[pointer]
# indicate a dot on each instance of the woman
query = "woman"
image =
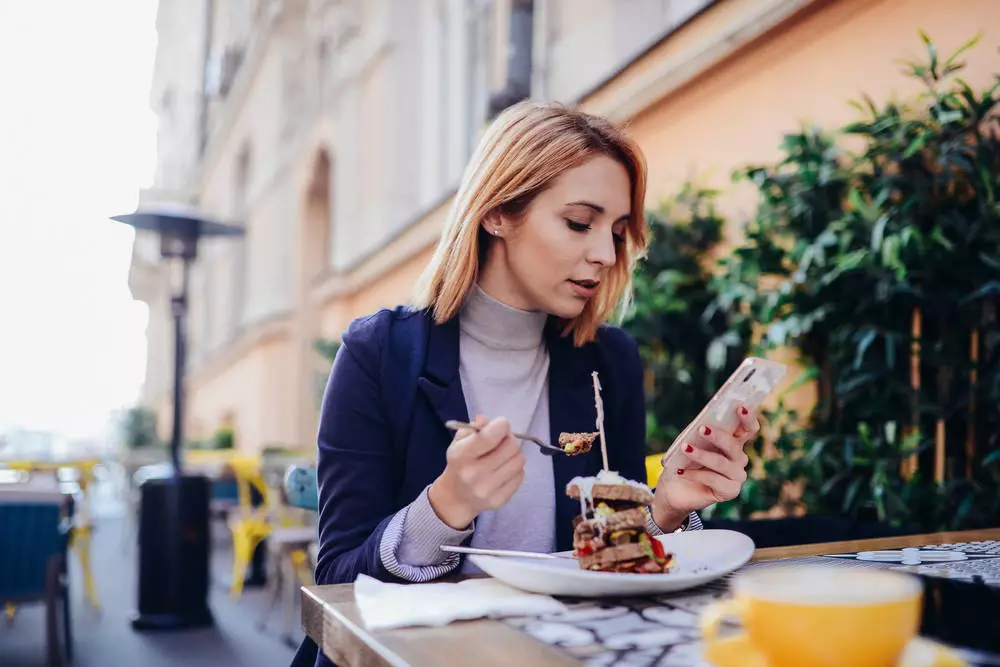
(507, 326)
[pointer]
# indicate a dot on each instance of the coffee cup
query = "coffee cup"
(812, 616)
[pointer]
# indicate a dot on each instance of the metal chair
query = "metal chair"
(34, 538)
(289, 547)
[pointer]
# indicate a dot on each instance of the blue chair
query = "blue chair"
(34, 538)
(301, 487)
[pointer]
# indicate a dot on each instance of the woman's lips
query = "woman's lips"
(585, 288)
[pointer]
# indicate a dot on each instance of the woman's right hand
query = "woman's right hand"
(484, 470)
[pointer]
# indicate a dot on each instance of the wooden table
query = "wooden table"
(331, 619)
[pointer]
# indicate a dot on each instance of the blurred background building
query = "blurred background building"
(337, 130)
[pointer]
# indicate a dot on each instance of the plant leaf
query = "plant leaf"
(932, 52)
(962, 49)
(878, 232)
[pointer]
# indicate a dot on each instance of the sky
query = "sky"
(77, 141)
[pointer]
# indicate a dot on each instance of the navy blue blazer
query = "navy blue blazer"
(382, 437)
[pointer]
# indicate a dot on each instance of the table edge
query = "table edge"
(891, 542)
(359, 631)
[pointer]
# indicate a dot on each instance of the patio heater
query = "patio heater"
(173, 516)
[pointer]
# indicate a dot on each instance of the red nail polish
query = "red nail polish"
(706, 430)
(680, 471)
(744, 412)
(688, 449)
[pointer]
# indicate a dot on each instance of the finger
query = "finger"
(464, 433)
(504, 474)
(507, 450)
(507, 490)
(709, 437)
(490, 437)
(720, 463)
(720, 487)
(749, 424)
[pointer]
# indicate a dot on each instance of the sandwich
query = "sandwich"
(577, 443)
(610, 534)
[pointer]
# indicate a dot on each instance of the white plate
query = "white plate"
(701, 556)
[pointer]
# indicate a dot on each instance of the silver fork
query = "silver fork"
(455, 425)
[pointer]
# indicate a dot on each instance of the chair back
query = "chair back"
(31, 534)
(250, 485)
(225, 488)
(301, 487)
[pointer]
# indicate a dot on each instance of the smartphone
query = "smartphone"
(752, 382)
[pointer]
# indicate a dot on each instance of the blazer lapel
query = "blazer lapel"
(440, 380)
(571, 409)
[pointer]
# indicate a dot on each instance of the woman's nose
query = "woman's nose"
(602, 250)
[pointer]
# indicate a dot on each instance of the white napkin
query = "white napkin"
(385, 605)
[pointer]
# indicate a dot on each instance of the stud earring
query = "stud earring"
(496, 232)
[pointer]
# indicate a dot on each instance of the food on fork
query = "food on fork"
(577, 443)
(610, 534)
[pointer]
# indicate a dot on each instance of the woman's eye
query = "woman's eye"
(619, 238)
(577, 226)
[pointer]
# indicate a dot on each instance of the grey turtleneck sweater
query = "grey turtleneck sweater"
(504, 368)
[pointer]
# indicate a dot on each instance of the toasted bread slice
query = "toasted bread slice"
(616, 528)
(622, 492)
(641, 566)
(605, 558)
(632, 518)
(577, 443)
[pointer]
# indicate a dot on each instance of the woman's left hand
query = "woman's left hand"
(714, 472)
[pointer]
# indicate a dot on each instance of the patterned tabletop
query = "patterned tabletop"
(663, 631)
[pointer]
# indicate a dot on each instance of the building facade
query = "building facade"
(336, 131)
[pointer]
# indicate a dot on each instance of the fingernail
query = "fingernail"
(688, 449)
(706, 430)
(680, 471)
(744, 412)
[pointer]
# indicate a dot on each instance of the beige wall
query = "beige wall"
(254, 388)
(730, 115)
(737, 113)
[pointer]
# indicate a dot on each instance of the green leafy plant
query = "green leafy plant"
(882, 267)
(671, 294)
(327, 348)
(138, 428)
(223, 438)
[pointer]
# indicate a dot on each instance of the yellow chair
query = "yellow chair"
(80, 544)
(654, 467)
(249, 525)
(81, 537)
(292, 536)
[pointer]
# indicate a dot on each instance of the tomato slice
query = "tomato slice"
(658, 549)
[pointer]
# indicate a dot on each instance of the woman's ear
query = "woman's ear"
(493, 223)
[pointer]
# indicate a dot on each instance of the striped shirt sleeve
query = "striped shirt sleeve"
(410, 544)
(693, 522)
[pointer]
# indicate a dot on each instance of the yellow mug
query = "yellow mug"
(811, 616)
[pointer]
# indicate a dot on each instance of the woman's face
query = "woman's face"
(556, 255)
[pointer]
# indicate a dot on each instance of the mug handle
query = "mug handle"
(715, 614)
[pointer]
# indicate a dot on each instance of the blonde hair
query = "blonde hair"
(527, 147)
